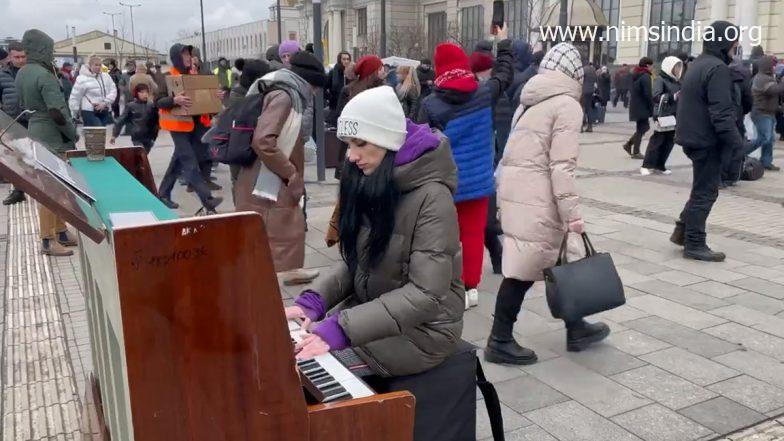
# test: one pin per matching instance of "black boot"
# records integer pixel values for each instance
(508, 352)
(14, 197)
(582, 334)
(628, 148)
(704, 254)
(679, 235)
(211, 204)
(501, 345)
(170, 204)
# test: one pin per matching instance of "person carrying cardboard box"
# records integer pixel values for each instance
(186, 132)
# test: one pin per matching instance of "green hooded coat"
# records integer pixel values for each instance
(39, 90)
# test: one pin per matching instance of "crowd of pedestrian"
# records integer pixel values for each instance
(441, 159)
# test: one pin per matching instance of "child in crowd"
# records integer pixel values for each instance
(144, 119)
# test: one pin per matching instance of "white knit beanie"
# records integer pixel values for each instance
(374, 116)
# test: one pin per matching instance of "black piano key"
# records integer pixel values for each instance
(311, 368)
(327, 385)
(343, 393)
(332, 389)
(315, 378)
(306, 363)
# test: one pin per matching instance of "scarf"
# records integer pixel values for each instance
(299, 92)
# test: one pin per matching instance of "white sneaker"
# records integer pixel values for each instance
(666, 172)
(298, 276)
(645, 172)
(471, 298)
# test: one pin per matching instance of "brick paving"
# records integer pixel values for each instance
(696, 354)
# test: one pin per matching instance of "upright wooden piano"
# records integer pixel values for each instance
(188, 335)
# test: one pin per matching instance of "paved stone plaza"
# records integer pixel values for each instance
(697, 353)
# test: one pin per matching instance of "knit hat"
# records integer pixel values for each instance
(668, 65)
(374, 116)
(288, 47)
(367, 65)
(481, 61)
(564, 58)
(272, 53)
(453, 69)
(307, 66)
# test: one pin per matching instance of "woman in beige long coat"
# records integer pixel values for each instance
(538, 199)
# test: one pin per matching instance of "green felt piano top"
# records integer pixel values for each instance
(116, 191)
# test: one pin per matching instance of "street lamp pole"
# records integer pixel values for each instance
(133, 30)
(114, 31)
(318, 116)
(280, 24)
(383, 43)
(203, 36)
(563, 16)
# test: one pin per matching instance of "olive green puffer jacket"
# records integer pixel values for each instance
(406, 315)
(39, 90)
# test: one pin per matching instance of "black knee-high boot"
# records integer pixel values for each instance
(501, 345)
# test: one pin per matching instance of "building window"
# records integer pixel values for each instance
(107, 46)
(436, 30)
(673, 13)
(471, 25)
(611, 10)
(516, 15)
(362, 22)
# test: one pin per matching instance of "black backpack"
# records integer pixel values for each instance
(231, 140)
(752, 169)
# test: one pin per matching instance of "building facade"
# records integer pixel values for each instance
(249, 40)
(106, 46)
(415, 27)
(767, 15)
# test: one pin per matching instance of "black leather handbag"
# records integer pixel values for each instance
(584, 287)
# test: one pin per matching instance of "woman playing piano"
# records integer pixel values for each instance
(397, 289)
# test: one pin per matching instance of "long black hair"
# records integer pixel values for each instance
(338, 64)
(374, 197)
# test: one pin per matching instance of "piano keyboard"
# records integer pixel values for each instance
(326, 378)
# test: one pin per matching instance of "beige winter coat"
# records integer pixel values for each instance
(536, 189)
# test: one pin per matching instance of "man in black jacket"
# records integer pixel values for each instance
(706, 97)
(9, 100)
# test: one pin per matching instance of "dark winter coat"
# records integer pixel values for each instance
(605, 86)
(143, 118)
(336, 81)
(741, 93)
(589, 80)
(9, 99)
(665, 87)
(39, 90)
(467, 119)
(766, 91)
(706, 97)
(641, 95)
(509, 100)
(405, 316)
(426, 77)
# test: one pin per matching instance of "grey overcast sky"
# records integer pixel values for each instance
(156, 21)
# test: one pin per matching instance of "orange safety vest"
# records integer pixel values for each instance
(178, 123)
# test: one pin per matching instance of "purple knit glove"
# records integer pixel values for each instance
(330, 331)
(312, 305)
